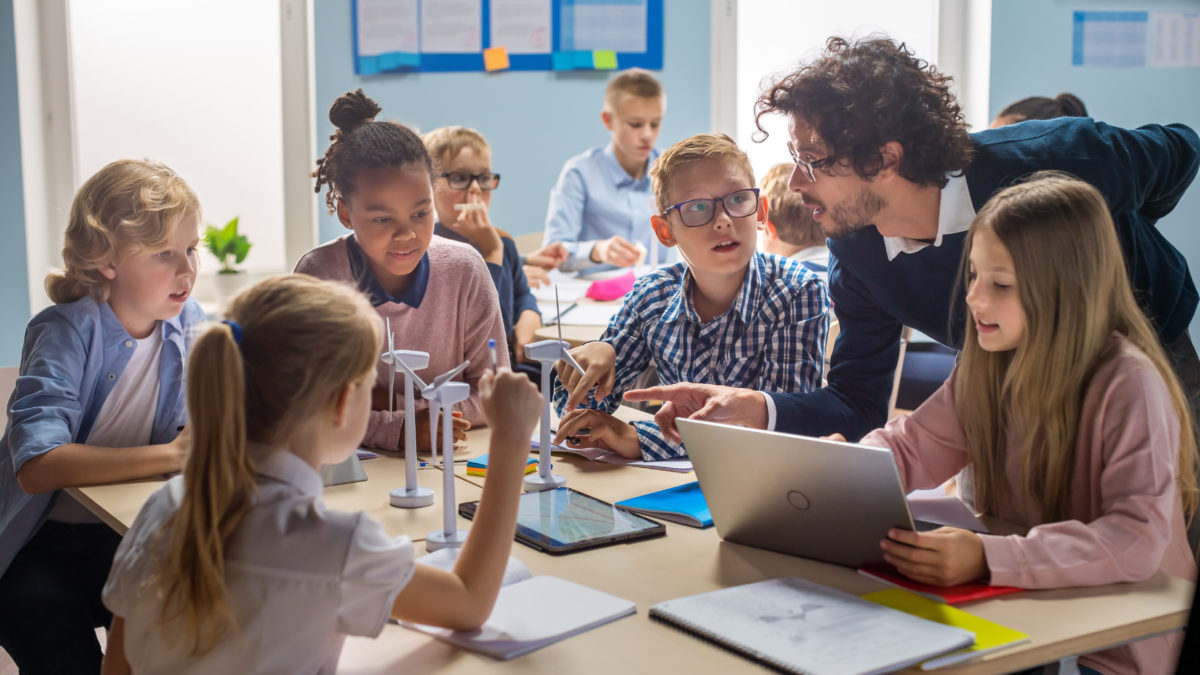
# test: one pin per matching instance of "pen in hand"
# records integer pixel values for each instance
(492, 350)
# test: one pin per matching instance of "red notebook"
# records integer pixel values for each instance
(951, 595)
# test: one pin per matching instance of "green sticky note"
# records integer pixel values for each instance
(605, 60)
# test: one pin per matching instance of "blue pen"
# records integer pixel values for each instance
(492, 349)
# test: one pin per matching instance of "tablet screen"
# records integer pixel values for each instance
(564, 519)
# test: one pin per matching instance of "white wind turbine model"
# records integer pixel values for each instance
(411, 495)
(446, 393)
(548, 352)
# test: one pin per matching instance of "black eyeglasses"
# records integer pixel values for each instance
(808, 166)
(462, 181)
(700, 212)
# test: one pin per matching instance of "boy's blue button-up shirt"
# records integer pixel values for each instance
(772, 338)
(73, 355)
(596, 199)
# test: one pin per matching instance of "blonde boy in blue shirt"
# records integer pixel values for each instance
(600, 207)
(726, 314)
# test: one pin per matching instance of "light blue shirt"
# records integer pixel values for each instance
(596, 199)
(74, 353)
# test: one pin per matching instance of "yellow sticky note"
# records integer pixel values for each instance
(605, 60)
(495, 58)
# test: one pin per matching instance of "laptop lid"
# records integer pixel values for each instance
(799, 495)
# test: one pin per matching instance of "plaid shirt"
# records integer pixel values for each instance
(771, 339)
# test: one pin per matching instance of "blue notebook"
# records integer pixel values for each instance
(683, 504)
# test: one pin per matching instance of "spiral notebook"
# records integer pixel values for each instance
(801, 627)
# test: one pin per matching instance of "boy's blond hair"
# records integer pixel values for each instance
(633, 82)
(445, 143)
(694, 148)
(793, 222)
(129, 205)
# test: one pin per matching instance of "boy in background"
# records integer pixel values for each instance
(462, 198)
(600, 207)
(790, 230)
(726, 314)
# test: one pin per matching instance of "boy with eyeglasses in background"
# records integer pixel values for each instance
(462, 196)
(600, 207)
(727, 314)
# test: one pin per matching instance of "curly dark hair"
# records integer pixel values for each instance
(859, 96)
(362, 143)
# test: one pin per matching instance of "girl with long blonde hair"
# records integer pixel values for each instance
(1066, 409)
(99, 399)
(237, 566)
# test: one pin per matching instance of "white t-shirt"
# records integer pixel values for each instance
(300, 578)
(126, 418)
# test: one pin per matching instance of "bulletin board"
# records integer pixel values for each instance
(398, 36)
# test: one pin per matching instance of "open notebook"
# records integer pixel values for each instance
(801, 627)
(530, 612)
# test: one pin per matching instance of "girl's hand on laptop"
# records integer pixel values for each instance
(597, 429)
(547, 257)
(710, 402)
(947, 556)
(615, 250)
(596, 359)
(834, 437)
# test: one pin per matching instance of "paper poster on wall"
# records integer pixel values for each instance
(386, 26)
(451, 26)
(521, 26)
(1176, 37)
(1108, 39)
(613, 25)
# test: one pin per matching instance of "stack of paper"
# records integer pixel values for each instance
(534, 613)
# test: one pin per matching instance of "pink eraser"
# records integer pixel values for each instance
(611, 289)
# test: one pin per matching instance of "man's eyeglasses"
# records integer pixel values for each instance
(462, 181)
(700, 212)
(808, 167)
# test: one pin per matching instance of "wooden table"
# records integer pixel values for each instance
(684, 562)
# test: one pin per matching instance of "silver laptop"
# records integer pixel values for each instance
(804, 496)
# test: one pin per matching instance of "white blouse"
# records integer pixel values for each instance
(300, 578)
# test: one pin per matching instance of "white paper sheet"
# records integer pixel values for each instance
(570, 288)
(386, 26)
(1176, 39)
(451, 26)
(935, 506)
(535, 613)
(521, 26)
(618, 26)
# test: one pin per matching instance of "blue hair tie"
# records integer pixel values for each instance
(236, 329)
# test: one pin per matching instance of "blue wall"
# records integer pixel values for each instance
(534, 121)
(14, 301)
(1031, 56)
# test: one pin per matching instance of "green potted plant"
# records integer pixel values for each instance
(227, 245)
(230, 248)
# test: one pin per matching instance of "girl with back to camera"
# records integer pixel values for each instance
(237, 566)
(1067, 411)
(99, 399)
(437, 293)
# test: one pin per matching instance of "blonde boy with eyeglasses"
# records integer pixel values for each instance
(727, 314)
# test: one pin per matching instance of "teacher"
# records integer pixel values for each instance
(884, 160)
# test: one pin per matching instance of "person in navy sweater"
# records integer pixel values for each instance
(884, 159)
